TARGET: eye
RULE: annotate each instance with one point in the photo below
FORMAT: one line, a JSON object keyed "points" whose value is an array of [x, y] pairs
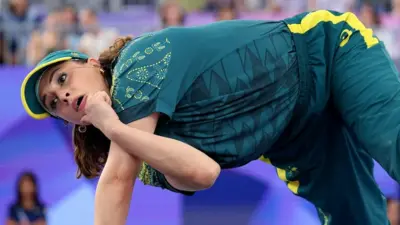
{"points": [[62, 78], [53, 104]]}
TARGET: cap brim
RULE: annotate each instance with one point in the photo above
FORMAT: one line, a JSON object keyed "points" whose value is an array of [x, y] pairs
{"points": [[28, 90]]}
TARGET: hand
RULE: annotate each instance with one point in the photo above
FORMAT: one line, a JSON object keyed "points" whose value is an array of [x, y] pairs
{"points": [[98, 111]]}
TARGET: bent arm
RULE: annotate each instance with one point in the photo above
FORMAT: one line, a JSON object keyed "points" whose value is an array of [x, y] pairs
{"points": [[114, 190], [185, 167]]}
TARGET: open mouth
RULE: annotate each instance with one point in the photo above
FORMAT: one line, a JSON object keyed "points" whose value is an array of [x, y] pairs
{"points": [[78, 102]]}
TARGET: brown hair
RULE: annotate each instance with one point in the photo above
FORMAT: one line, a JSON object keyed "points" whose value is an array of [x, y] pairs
{"points": [[91, 147]]}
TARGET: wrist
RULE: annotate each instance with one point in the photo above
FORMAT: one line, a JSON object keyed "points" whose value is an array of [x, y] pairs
{"points": [[110, 128]]}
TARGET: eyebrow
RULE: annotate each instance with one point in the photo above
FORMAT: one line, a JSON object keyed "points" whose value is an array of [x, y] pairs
{"points": [[52, 75], [49, 81]]}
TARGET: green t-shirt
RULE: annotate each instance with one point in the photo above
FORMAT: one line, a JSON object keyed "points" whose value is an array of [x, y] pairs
{"points": [[227, 89]]}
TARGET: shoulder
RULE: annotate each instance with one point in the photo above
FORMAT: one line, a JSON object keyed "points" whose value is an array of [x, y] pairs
{"points": [[42, 208], [155, 41], [143, 51], [13, 206], [13, 209]]}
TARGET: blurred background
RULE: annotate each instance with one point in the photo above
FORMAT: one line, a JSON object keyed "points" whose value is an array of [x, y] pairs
{"points": [[37, 172]]}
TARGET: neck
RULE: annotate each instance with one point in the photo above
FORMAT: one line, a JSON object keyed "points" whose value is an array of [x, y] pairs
{"points": [[28, 203]]}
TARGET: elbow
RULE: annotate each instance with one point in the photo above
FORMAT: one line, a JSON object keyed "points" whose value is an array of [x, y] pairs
{"points": [[204, 177], [119, 176], [118, 179]]}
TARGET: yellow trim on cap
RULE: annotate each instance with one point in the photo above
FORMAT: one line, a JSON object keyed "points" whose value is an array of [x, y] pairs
{"points": [[23, 86]]}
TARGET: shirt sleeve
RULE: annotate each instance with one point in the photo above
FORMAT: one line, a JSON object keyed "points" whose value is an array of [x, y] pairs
{"points": [[145, 80], [152, 177]]}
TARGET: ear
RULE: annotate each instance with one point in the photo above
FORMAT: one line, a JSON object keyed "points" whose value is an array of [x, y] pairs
{"points": [[94, 62]]}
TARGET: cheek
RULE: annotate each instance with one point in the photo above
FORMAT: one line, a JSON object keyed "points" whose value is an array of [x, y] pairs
{"points": [[27, 188], [87, 81], [68, 114]]}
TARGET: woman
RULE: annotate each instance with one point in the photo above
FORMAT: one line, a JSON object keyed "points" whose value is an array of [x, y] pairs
{"points": [[171, 14], [227, 12], [17, 21], [28, 208], [370, 16], [315, 95]]}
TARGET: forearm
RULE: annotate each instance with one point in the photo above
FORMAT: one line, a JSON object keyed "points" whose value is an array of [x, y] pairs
{"points": [[114, 190], [171, 157], [112, 201]]}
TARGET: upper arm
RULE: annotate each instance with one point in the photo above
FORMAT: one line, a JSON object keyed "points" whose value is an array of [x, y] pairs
{"points": [[150, 76], [147, 124], [120, 163]]}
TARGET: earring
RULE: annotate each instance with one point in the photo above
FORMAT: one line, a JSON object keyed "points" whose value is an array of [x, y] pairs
{"points": [[102, 71], [82, 129]]}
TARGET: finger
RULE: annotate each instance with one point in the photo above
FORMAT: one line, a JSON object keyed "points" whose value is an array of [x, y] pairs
{"points": [[109, 100], [106, 97], [89, 98]]}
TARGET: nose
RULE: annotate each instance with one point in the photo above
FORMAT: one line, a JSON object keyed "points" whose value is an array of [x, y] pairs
{"points": [[65, 97]]}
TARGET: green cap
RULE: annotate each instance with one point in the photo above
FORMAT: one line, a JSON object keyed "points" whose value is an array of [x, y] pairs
{"points": [[29, 92]]}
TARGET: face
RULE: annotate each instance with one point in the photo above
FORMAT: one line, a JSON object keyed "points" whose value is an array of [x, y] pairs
{"points": [[52, 20], [20, 6], [27, 187], [88, 19], [366, 15], [65, 86], [226, 14], [173, 15], [69, 15]]}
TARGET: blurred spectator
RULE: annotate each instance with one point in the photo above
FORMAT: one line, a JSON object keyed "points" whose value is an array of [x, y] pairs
{"points": [[47, 39], [395, 8], [226, 12], [187, 5], [394, 211], [70, 19], [255, 4], [70, 26], [392, 19], [337, 5], [370, 16], [2, 50], [211, 5], [172, 14], [27, 208], [290, 7], [95, 38], [214, 5], [17, 21]]}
